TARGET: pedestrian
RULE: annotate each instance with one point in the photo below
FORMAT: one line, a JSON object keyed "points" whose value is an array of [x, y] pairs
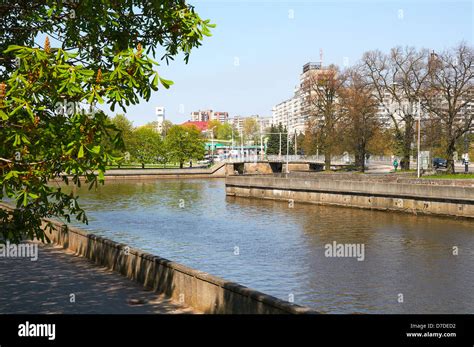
{"points": [[395, 164]]}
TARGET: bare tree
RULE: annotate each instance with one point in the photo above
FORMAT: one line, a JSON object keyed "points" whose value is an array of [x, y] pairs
{"points": [[397, 80], [360, 121], [320, 90], [448, 95]]}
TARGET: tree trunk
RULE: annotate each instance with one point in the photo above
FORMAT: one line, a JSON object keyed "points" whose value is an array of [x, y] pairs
{"points": [[143, 165], [327, 161], [451, 148], [360, 155], [406, 147], [181, 164]]}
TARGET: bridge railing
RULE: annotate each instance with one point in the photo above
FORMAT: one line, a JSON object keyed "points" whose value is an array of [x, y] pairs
{"points": [[344, 159]]}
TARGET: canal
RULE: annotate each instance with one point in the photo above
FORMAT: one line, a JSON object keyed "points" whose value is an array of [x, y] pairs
{"points": [[408, 265]]}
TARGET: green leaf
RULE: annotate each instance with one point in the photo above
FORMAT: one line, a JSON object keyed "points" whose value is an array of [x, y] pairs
{"points": [[3, 115], [155, 80], [81, 152], [12, 48], [11, 174], [166, 83], [17, 140], [101, 175], [95, 149]]}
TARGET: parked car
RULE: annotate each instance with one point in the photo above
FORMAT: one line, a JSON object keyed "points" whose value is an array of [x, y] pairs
{"points": [[440, 163]]}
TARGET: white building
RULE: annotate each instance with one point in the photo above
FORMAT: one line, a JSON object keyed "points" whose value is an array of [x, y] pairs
{"points": [[160, 118], [263, 122], [292, 112], [208, 115], [289, 113]]}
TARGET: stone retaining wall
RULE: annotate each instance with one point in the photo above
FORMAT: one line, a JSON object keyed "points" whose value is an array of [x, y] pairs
{"points": [[396, 195], [199, 290]]}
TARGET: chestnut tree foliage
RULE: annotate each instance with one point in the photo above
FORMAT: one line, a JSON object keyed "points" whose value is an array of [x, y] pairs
{"points": [[51, 129]]}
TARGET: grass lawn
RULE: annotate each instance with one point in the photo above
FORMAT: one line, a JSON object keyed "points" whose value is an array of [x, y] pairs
{"points": [[147, 166], [450, 176]]}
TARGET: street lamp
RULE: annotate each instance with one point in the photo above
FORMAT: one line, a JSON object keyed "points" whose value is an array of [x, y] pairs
{"points": [[232, 147], [466, 146], [241, 145], [212, 143], [287, 142], [418, 164]]}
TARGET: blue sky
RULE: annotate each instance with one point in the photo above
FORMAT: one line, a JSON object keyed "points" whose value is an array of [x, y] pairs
{"points": [[271, 48]]}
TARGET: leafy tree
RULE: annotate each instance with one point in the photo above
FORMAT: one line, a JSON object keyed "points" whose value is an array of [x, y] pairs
{"points": [[166, 127], [96, 28], [145, 145], [447, 96], [122, 123], [184, 143], [213, 125], [360, 120], [299, 143], [321, 88], [397, 79], [124, 129], [224, 131], [250, 129], [273, 142], [50, 126], [274, 139]]}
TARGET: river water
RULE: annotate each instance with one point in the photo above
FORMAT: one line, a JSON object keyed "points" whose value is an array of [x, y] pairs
{"points": [[409, 266]]}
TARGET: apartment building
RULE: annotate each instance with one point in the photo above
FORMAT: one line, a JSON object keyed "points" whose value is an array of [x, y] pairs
{"points": [[263, 122], [208, 115]]}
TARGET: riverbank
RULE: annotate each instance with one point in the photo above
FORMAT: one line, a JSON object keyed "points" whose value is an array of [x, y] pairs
{"points": [[190, 288], [379, 192], [218, 170], [74, 285], [266, 245]]}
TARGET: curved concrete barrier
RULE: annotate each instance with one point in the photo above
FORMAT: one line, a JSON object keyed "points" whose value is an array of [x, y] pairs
{"points": [[200, 290], [197, 289]]}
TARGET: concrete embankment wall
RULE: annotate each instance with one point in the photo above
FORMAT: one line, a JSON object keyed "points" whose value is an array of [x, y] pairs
{"points": [[216, 171], [196, 289], [448, 200]]}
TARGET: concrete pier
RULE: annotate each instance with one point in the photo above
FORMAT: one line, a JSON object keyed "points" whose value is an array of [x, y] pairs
{"points": [[414, 196]]}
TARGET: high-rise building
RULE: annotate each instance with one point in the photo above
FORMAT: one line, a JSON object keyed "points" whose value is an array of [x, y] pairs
{"points": [[289, 113], [294, 112], [160, 118]]}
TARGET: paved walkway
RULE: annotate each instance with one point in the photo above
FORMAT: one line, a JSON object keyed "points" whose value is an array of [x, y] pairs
{"points": [[46, 285]]}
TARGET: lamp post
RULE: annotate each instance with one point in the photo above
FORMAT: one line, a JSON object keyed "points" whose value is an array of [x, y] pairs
{"points": [[212, 143], [232, 146], [466, 147], [296, 143], [287, 142], [279, 150], [241, 144], [418, 164]]}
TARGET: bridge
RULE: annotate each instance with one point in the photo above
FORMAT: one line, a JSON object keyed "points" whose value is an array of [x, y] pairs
{"points": [[258, 164]]}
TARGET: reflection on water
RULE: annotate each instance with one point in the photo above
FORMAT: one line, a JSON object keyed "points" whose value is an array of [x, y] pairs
{"points": [[280, 250]]}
